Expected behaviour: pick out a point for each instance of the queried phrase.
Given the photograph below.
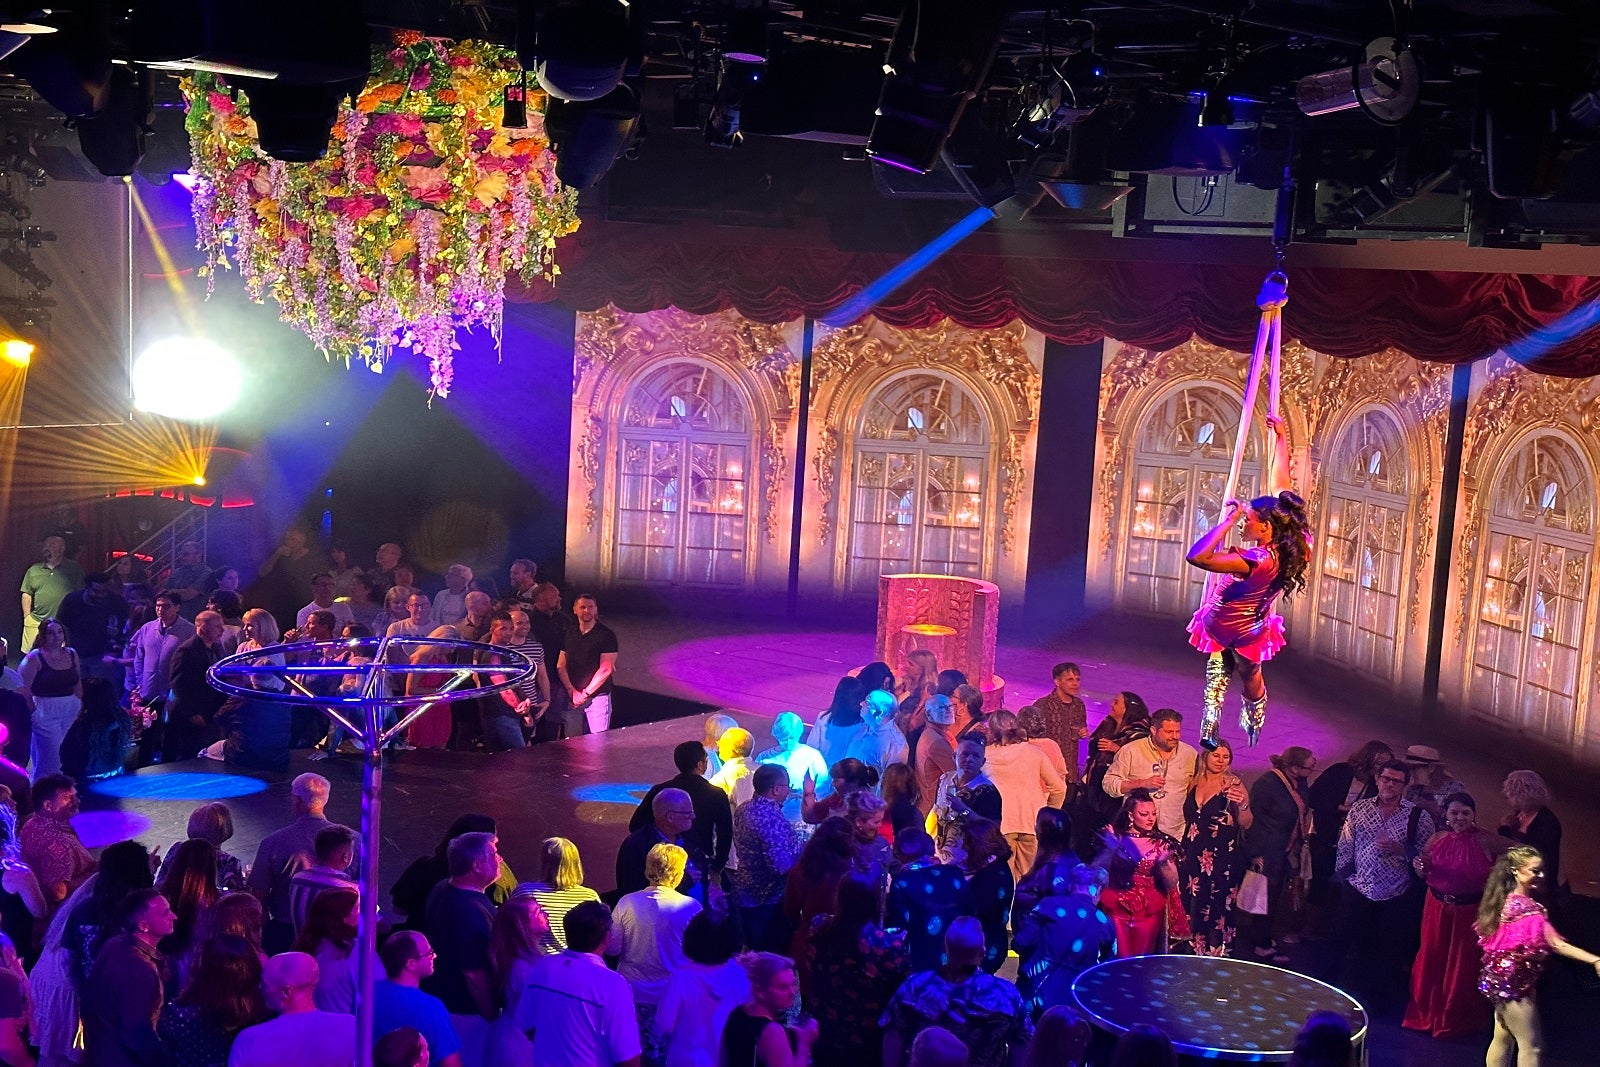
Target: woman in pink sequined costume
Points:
(1236, 625)
(1517, 937)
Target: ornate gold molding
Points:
(608, 336)
(590, 448)
(1013, 471)
(824, 462)
(774, 468)
(998, 357)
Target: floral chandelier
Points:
(406, 229)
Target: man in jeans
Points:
(1380, 903)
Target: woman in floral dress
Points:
(1213, 862)
(856, 967)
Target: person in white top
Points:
(702, 993)
(450, 606)
(1027, 782)
(648, 935)
(733, 778)
(795, 755)
(881, 743)
(1161, 763)
(300, 1035)
(576, 1010)
(322, 599)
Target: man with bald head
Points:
(300, 1035)
(672, 816)
(194, 703)
(986, 1013)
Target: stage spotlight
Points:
(21, 263)
(734, 80)
(938, 59)
(744, 38)
(588, 137)
(1069, 93)
(1385, 83)
(578, 49)
(1217, 109)
(186, 378)
(17, 352)
(295, 122)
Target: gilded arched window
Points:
(921, 482)
(682, 486)
(1362, 544)
(1535, 573)
(1180, 464)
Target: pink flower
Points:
(421, 78)
(221, 102)
(428, 184)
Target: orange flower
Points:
(407, 38)
(447, 96)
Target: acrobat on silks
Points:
(1237, 625)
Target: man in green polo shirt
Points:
(44, 585)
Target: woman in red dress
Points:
(1143, 892)
(1455, 862)
(433, 729)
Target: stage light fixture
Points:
(113, 139)
(295, 122)
(1070, 92)
(577, 49)
(21, 263)
(17, 352)
(514, 115)
(17, 159)
(723, 126)
(744, 38)
(589, 136)
(188, 378)
(938, 59)
(1217, 109)
(1385, 83)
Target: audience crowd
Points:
(848, 895)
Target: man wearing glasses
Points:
(1380, 905)
(399, 1001)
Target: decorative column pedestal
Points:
(954, 618)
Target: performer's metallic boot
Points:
(1217, 676)
(1253, 717)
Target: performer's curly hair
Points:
(1291, 536)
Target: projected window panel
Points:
(683, 488)
(1535, 574)
(1181, 464)
(920, 495)
(1361, 547)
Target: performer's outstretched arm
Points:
(1279, 476)
(1205, 553)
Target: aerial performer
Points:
(1237, 625)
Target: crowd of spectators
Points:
(849, 894)
(114, 674)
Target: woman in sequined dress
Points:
(1516, 937)
(1141, 899)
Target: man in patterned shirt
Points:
(985, 1012)
(1380, 905)
(50, 845)
(767, 845)
(1066, 719)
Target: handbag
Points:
(1253, 895)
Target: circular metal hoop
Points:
(233, 674)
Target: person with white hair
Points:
(301, 1034)
(287, 851)
(450, 604)
(881, 743)
(797, 757)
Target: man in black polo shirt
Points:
(587, 661)
(712, 832)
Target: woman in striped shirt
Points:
(559, 889)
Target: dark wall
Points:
(1063, 486)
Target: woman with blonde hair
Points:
(753, 1035)
(259, 630)
(559, 889)
(1516, 937)
(920, 681)
(520, 936)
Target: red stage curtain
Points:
(1449, 317)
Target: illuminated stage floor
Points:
(585, 789)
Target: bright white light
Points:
(185, 378)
